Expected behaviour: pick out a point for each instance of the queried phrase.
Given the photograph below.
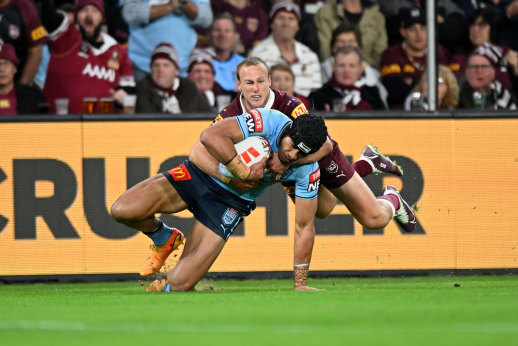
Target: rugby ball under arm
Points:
(251, 150)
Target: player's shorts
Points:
(212, 205)
(335, 168)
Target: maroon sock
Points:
(362, 168)
(393, 199)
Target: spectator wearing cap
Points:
(201, 72)
(249, 18)
(223, 37)
(483, 36)
(347, 88)
(174, 21)
(281, 47)
(164, 91)
(403, 64)
(482, 90)
(21, 27)
(364, 14)
(15, 97)
(84, 61)
(451, 20)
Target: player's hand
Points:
(275, 166)
(256, 171)
(307, 288)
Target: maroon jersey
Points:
(8, 103)
(77, 70)
(285, 103)
(20, 25)
(395, 62)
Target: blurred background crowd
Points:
(180, 56)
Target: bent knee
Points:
(377, 221)
(119, 212)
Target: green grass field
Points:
(353, 311)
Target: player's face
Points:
(254, 83)
(222, 35)
(163, 72)
(348, 68)
(345, 39)
(283, 81)
(7, 72)
(479, 73)
(479, 32)
(288, 153)
(90, 18)
(415, 37)
(285, 25)
(201, 74)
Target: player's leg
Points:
(201, 249)
(363, 205)
(372, 161)
(136, 208)
(326, 202)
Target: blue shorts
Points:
(212, 205)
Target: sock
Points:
(161, 234)
(167, 288)
(362, 167)
(392, 200)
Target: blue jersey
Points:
(269, 123)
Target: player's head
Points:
(302, 137)
(254, 80)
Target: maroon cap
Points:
(167, 51)
(7, 52)
(493, 53)
(285, 6)
(200, 56)
(82, 3)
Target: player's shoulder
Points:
(288, 104)
(231, 110)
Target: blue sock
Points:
(161, 234)
(167, 288)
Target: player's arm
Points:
(304, 237)
(219, 139)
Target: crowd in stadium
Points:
(180, 56)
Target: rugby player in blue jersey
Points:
(217, 206)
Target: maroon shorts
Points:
(335, 169)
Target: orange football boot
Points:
(160, 253)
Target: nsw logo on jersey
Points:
(99, 72)
(254, 121)
(314, 181)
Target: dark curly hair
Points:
(308, 132)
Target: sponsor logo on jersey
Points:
(99, 72)
(218, 118)
(314, 181)
(299, 110)
(332, 167)
(390, 69)
(254, 121)
(114, 63)
(408, 69)
(38, 33)
(245, 155)
(180, 173)
(230, 216)
(5, 104)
